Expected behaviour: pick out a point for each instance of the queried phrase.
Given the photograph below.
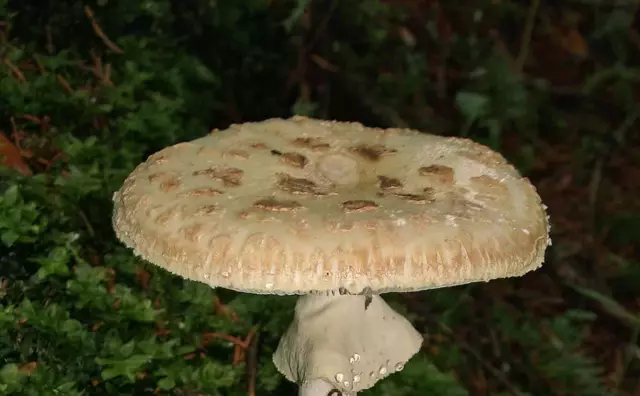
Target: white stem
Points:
(334, 342)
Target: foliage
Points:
(88, 90)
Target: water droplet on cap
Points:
(399, 367)
(356, 379)
(339, 377)
(383, 370)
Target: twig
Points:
(323, 63)
(64, 83)
(240, 344)
(97, 61)
(102, 73)
(239, 353)
(48, 165)
(17, 135)
(223, 336)
(221, 309)
(107, 74)
(32, 118)
(252, 365)
(111, 283)
(40, 65)
(527, 34)
(100, 33)
(19, 75)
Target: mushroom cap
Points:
(302, 205)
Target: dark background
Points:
(89, 89)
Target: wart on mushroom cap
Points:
(304, 206)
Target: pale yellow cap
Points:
(302, 205)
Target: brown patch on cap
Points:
(441, 173)
(389, 183)
(157, 159)
(429, 193)
(274, 205)
(315, 144)
(150, 209)
(202, 192)
(294, 159)
(208, 151)
(260, 146)
(155, 176)
(360, 205)
(489, 188)
(460, 207)
(262, 217)
(236, 153)
(230, 177)
(205, 210)
(488, 183)
(167, 153)
(296, 185)
(170, 184)
(372, 152)
(415, 198)
(166, 215)
(193, 232)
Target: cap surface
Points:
(303, 205)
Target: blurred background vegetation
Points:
(89, 89)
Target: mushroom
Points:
(337, 213)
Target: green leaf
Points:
(9, 237)
(166, 383)
(10, 375)
(471, 104)
(57, 262)
(10, 196)
(123, 368)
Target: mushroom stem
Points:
(336, 345)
